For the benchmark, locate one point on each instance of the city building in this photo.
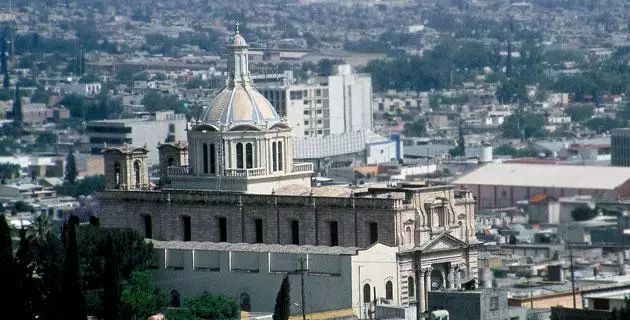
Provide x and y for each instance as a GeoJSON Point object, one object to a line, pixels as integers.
{"type": "Point", "coordinates": [498, 185]}
{"type": "Point", "coordinates": [84, 89]}
{"type": "Point", "coordinates": [241, 186]}
{"type": "Point", "coordinates": [340, 103]}
{"type": "Point", "coordinates": [484, 304]}
{"type": "Point", "coordinates": [620, 147]}
{"type": "Point", "coordinates": [162, 127]}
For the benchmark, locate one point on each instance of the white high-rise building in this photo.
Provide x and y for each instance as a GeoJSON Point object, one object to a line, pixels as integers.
{"type": "Point", "coordinates": [336, 104]}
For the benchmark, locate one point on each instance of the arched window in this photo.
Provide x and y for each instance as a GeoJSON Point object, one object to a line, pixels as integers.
{"type": "Point", "coordinates": [274, 156]}
{"type": "Point", "coordinates": [389, 290]}
{"type": "Point", "coordinates": [411, 287]}
{"type": "Point", "coordinates": [117, 173]}
{"type": "Point", "coordinates": [279, 156]}
{"type": "Point", "coordinates": [205, 158]}
{"type": "Point", "coordinates": [136, 170]}
{"type": "Point", "coordinates": [245, 304]}
{"type": "Point", "coordinates": [213, 159]}
{"type": "Point", "coordinates": [239, 155]}
{"type": "Point", "coordinates": [366, 293]}
{"type": "Point", "coordinates": [175, 300]}
{"type": "Point", "coordinates": [408, 235]}
{"type": "Point", "coordinates": [249, 156]}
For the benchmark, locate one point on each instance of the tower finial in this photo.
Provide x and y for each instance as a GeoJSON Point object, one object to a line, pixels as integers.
{"type": "Point", "coordinates": [236, 26]}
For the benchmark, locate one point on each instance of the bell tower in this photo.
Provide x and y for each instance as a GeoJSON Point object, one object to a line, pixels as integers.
{"type": "Point", "coordinates": [126, 168]}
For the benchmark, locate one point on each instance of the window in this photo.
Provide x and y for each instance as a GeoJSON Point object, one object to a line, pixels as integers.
{"type": "Point", "coordinates": [306, 122]}
{"type": "Point", "coordinates": [148, 227]}
{"type": "Point", "coordinates": [222, 229]}
{"type": "Point", "coordinates": [205, 158]}
{"type": "Point", "coordinates": [441, 212]}
{"type": "Point", "coordinates": [306, 133]}
{"type": "Point", "coordinates": [274, 156]}
{"type": "Point", "coordinates": [295, 232]}
{"type": "Point", "coordinates": [503, 194]}
{"type": "Point", "coordinates": [171, 128]}
{"type": "Point", "coordinates": [389, 290]}
{"type": "Point", "coordinates": [318, 101]}
{"type": "Point", "coordinates": [598, 304]}
{"type": "Point", "coordinates": [175, 300]}
{"type": "Point", "coordinates": [259, 230]}
{"type": "Point", "coordinates": [171, 161]}
{"type": "Point", "coordinates": [305, 102]}
{"type": "Point", "coordinates": [411, 287]}
{"type": "Point", "coordinates": [373, 232]}
{"type": "Point", "coordinates": [239, 155]}
{"type": "Point", "coordinates": [213, 159]}
{"type": "Point", "coordinates": [306, 112]}
{"type": "Point", "coordinates": [319, 111]}
{"type": "Point", "coordinates": [249, 156]}
{"type": "Point", "coordinates": [319, 121]}
{"type": "Point", "coordinates": [494, 303]}
{"type": "Point", "coordinates": [187, 228]}
{"type": "Point", "coordinates": [117, 173]}
{"type": "Point", "coordinates": [366, 293]}
{"type": "Point", "coordinates": [279, 156]}
{"type": "Point", "coordinates": [319, 131]}
{"type": "Point", "coordinates": [318, 92]}
{"type": "Point", "coordinates": [334, 234]}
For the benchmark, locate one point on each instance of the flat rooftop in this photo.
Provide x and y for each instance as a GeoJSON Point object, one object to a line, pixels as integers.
{"type": "Point", "coordinates": [253, 247]}
{"type": "Point", "coordinates": [547, 176]}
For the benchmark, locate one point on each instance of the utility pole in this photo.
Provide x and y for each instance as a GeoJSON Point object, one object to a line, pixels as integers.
{"type": "Point", "coordinates": [302, 270]}
{"type": "Point", "coordinates": [572, 273]}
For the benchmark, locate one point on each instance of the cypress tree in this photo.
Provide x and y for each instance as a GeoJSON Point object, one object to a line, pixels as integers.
{"type": "Point", "coordinates": [17, 107]}
{"type": "Point", "coordinates": [508, 61]}
{"type": "Point", "coordinates": [73, 301]}
{"type": "Point", "coordinates": [461, 144]}
{"type": "Point", "coordinates": [282, 309]}
{"type": "Point", "coordinates": [7, 278]}
{"type": "Point", "coordinates": [24, 278]}
{"type": "Point", "coordinates": [111, 282]}
{"type": "Point", "coordinates": [71, 168]}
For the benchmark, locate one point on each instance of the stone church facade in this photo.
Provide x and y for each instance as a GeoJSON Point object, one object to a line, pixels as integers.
{"type": "Point", "coordinates": [234, 181]}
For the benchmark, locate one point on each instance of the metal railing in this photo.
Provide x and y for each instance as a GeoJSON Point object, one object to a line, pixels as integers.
{"type": "Point", "coordinates": [253, 172]}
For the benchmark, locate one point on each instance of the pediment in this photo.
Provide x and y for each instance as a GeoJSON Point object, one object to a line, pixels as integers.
{"type": "Point", "coordinates": [444, 241]}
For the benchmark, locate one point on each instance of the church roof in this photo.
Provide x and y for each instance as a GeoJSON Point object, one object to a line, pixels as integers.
{"type": "Point", "coordinates": [252, 247]}
{"type": "Point", "coordinates": [239, 103]}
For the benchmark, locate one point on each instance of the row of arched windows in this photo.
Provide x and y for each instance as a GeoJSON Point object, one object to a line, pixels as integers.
{"type": "Point", "coordinates": [246, 162]}
{"type": "Point", "coordinates": [367, 292]}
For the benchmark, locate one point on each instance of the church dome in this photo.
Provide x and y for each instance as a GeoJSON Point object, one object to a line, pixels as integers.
{"type": "Point", "coordinates": [239, 103]}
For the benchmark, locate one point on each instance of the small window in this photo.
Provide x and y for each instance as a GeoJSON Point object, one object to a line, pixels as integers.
{"type": "Point", "coordinates": [389, 290]}
{"type": "Point", "coordinates": [366, 293]}
{"type": "Point", "coordinates": [494, 303]}
{"type": "Point", "coordinates": [318, 92]}
{"type": "Point", "coordinates": [318, 101]}
{"type": "Point", "coordinates": [239, 155]}
{"type": "Point", "coordinates": [148, 227]}
{"type": "Point", "coordinates": [373, 232]}
{"type": "Point", "coordinates": [187, 228]}
{"type": "Point", "coordinates": [279, 155]}
{"type": "Point", "coordinates": [171, 128]}
{"type": "Point", "coordinates": [306, 112]}
{"type": "Point", "coordinates": [503, 194]}
{"type": "Point", "coordinates": [319, 121]}
{"type": "Point", "coordinates": [222, 229]}
{"type": "Point", "coordinates": [205, 157]}
{"type": "Point", "coordinates": [319, 131]}
{"type": "Point", "coordinates": [319, 111]}
{"type": "Point", "coordinates": [305, 102]}
{"type": "Point", "coordinates": [306, 133]}
{"type": "Point", "coordinates": [175, 299]}
{"type": "Point", "coordinates": [259, 230]}
{"type": "Point", "coordinates": [334, 234]}
{"type": "Point", "coordinates": [306, 122]}
{"type": "Point", "coordinates": [295, 232]}
{"type": "Point", "coordinates": [249, 156]}
{"type": "Point", "coordinates": [411, 287]}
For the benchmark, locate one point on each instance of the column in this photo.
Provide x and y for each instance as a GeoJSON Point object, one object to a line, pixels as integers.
{"type": "Point", "coordinates": [427, 286]}
{"type": "Point", "coordinates": [420, 291]}
{"type": "Point", "coordinates": [451, 276]}
{"type": "Point", "coordinates": [458, 278]}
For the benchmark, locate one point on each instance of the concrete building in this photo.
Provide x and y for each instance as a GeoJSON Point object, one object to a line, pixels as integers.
{"type": "Point", "coordinates": [164, 126]}
{"type": "Point", "coordinates": [251, 274]}
{"type": "Point", "coordinates": [485, 304]}
{"type": "Point", "coordinates": [241, 187]}
{"type": "Point", "coordinates": [84, 89]}
{"type": "Point", "coordinates": [502, 185]}
{"type": "Point", "coordinates": [620, 147]}
{"type": "Point", "coordinates": [340, 103]}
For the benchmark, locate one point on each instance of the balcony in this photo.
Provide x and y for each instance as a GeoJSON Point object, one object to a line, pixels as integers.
{"type": "Point", "coordinates": [253, 172]}
{"type": "Point", "coordinates": [302, 167]}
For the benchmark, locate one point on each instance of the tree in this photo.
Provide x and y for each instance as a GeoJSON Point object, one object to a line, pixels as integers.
{"type": "Point", "coordinates": [282, 310]}
{"type": "Point", "coordinates": [511, 90]}
{"type": "Point", "coordinates": [583, 213]}
{"type": "Point", "coordinates": [208, 306]}
{"type": "Point", "coordinates": [111, 281]}
{"type": "Point", "coordinates": [74, 303]}
{"type": "Point", "coordinates": [46, 139]}
{"type": "Point", "coordinates": [524, 125]}
{"type": "Point", "coordinates": [71, 168]}
{"type": "Point", "coordinates": [9, 171]}
{"type": "Point", "coordinates": [141, 296]}
{"type": "Point", "coordinates": [3, 63]}
{"type": "Point", "coordinates": [23, 278]}
{"type": "Point", "coordinates": [17, 107]}
{"type": "Point", "coordinates": [580, 113]}
{"type": "Point", "coordinates": [84, 187]}
{"type": "Point", "coordinates": [417, 128]}
{"type": "Point", "coordinates": [7, 268]}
